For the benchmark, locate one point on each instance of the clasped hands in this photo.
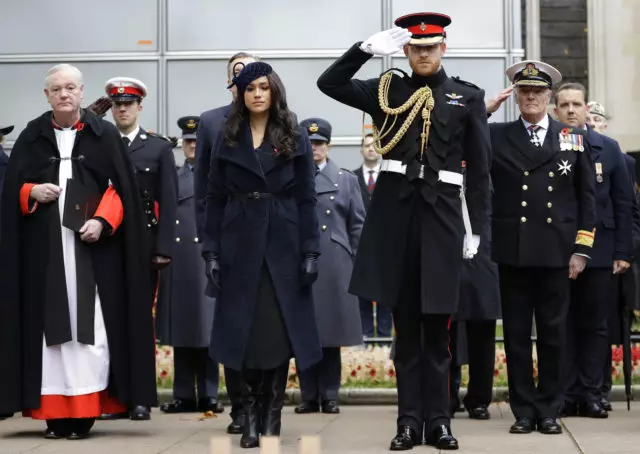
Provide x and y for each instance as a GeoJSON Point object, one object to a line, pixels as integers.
{"type": "Point", "coordinates": [48, 192]}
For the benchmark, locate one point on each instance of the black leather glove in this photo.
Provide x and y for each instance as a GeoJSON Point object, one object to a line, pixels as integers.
{"type": "Point", "coordinates": [212, 268]}
{"type": "Point", "coordinates": [309, 269]}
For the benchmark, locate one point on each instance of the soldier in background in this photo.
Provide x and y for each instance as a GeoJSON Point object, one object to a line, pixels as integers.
{"type": "Point", "coordinates": [367, 175]}
{"type": "Point", "coordinates": [341, 215]}
{"type": "Point", "coordinates": [596, 117]}
{"type": "Point", "coordinates": [155, 170]}
{"type": "Point", "coordinates": [186, 320]}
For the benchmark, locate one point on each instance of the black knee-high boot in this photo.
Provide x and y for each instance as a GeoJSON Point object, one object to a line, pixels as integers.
{"type": "Point", "coordinates": [252, 408]}
{"type": "Point", "coordinates": [273, 386]}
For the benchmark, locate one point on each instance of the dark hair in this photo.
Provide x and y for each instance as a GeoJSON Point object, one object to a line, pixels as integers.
{"type": "Point", "coordinates": [571, 86]}
{"type": "Point", "coordinates": [237, 56]}
{"type": "Point", "coordinates": [364, 138]}
{"type": "Point", "coordinates": [281, 131]}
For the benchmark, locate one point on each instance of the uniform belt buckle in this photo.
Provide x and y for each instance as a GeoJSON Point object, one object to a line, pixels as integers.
{"type": "Point", "coordinates": [415, 171]}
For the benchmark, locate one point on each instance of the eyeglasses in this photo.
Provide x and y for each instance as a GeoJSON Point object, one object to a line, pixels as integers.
{"type": "Point", "coordinates": [57, 91]}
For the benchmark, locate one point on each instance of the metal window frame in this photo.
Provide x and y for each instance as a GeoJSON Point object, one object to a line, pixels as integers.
{"type": "Point", "coordinates": [510, 54]}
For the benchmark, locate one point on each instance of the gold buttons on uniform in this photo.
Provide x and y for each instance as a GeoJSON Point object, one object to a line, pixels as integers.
{"type": "Point", "coordinates": [324, 227]}
{"type": "Point", "coordinates": [549, 204]}
{"type": "Point", "coordinates": [177, 240]}
{"type": "Point", "coordinates": [147, 169]}
{"type": "Point", "coordinates": [549, 220]}
{"type": "Point", "coordinates": [526, 174]}
{"type": "Point", "coordinates": [523, 219]}
{"type": "Point", "coordinates": [328, 212]}
{"type": "Point", "coordinates": [524, 204]}
{"type": "Point", "coordinates": [525, 187]}
{"type": "Point", "coordinates": [196, 239]}
{"type": "Point", "coordinates": [551, 175]}
{"type": "Point", "coordinates": [550, 188]}
{"type": "Point", "coordinates": [177, 221]}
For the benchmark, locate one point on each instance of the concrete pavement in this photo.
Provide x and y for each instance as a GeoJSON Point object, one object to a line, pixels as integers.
{"type": "Point", "coordinates": [357, 430]}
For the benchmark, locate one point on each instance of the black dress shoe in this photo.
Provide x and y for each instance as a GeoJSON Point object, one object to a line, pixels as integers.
{"type": "Point", "coordinates": [593, 410]}
{"type": "Point", "coordinates": [210, 404]}
{"type": "Point", "coordinates": [480, 412]}
{"type": "Point", "coordinates": [549, 426]}
{"type": "Point", "coordinates": [330, 407]}
{"type": "Point", "coordinates": [604, 403]}
{"type": "Point", "coordinates": [568, 410]}
{"type": "Point", "coordinates": [113, 416]}
{"type": "Point", "coordinates": [307, 407]}
{"type": "Point", "coordinates": [442, 438]}
{"type": "Point", "coordinates": [236, 425]}
{"type": "Point", "coordinates": [404, 440]}
{"type": "Point", "coordinates": [78, 435]}
{"type": "Point", "coordinates": [51, 434]}
{"type": "Point", "coordinates": [179, 406]}
{"type": "Point", "coordinates": [522, 426]}
{"type": "Point", "coordinates": [140, 413]}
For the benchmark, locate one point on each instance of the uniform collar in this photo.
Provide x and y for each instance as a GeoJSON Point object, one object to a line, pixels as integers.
{"type": "Point", "coordinates": [431, 81]}
{"type": "Point", "coordinates": [544, 123]}
{"type": "Point", "coordinates": [132, 135]}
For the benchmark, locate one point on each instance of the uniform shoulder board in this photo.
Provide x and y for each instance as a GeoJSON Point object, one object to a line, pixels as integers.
{"type": "Point", "coordinates": [159, 136]}
{"type": "Point", "coordinates": [464, 82]}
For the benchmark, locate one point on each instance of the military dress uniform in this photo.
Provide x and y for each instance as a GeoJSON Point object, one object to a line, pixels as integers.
{"type": "Point", "coordinates": [411, 250]}
{"type": "Point", "coordinates": [588, 338]}
{"type": "Point", "coordinates": [543, 212]}
{"type": "Point", "coordinates": [155, 172]}
{"type": "Point", "coordinates": [187, 320]}
{"type": "Point", "coordinates": [341, 215]}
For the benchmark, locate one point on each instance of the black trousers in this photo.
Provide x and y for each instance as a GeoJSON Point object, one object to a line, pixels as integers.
{"type": "Point", "coordinates": [481, 351]}
{"type": "Point", "coordinates": [194, 368]}
{"type": "Point", "coordinates": [543, 292]}
{"type": "Point", "coordinates": [587, 334]}
{"type": "Point", "coordinates": [236, 390]}
{"type": "Point", "coordinates": [322, 380]}
{"type": "Point", "coordinates": [384, 322]}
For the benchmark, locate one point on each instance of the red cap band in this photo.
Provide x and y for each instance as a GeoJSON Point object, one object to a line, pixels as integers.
{"type": "Point", "coordinates": [426, 29]}
{"type": "Point", "coordinates": [125, 90]}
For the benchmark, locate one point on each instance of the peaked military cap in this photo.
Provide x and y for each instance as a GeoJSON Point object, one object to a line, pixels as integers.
{"type": "Point", "coordinates": [318, 129]}
{"type": "Point", "coordinates": [6, 130]}
{"type": "Point", "coordinates": [595, 108]}
{"type": "Point", "coordinates": [533, 73]}
{"type": "Point", "coordinates": [189, 126]}
{"type": "Point", "coordinates": [125, 89]}
{"type": "Point", "coordinates": [425, 28]}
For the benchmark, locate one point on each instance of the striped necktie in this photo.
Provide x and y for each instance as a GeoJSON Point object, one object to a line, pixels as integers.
{"type": "Point", "coordinates": [371, 183]}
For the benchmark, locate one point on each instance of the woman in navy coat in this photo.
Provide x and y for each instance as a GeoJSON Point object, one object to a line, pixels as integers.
{"type": "Point", "coordinates": [261, 246]}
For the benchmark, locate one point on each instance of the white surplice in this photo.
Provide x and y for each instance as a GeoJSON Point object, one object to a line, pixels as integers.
{"type": "Point", "coordinates": [73, 369]}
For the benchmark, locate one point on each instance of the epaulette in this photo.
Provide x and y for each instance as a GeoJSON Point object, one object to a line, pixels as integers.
{"type": "Point", "coordinates": [159, 136]}
{"type": "Point", "coordinates": [464, 82]}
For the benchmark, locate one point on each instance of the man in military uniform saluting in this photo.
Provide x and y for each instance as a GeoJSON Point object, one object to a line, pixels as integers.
{"type": "Point", "coordinates": [543, 232]}
{"type": "Point", "coordinates": [155, 170]}
{"type": "Point", "coordinates": [411, 251]}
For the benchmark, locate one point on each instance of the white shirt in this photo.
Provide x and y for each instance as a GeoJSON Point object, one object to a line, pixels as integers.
{"type": "Point", "coordinates": [132, 135]}
{"type": "Point", "coordinates": [542, 130]}
{"type": "Point", "coordinates": [366, 170]}
{"type": "Point", "coordinates": [322, 165]}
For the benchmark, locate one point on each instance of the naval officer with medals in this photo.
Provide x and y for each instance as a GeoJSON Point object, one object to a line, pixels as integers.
{"type": "Point", "coordinates": [543, 230]}
{"type": "Point", "coordinates": [411, 251]}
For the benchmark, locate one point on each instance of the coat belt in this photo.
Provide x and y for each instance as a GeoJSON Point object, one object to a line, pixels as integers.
{"type": "Point", "coordinates": [415, 170]}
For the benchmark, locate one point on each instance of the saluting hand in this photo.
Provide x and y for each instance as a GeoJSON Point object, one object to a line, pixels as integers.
{"type": "Point", "coordinates": [494, 103]}
{"type": "Point", "coordinates": [386, 42]}
{"type": "Point", "coordinates": [91, 230]}
{"type": "Point", "coordinates": [45, 193]}
{"type": "Point", "coordinates": [577, 263]}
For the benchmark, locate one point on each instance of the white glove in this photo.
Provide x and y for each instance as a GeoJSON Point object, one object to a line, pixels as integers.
{"type": "Point", "coordinates": [470, 248]}
{"type": "Point", "coordinates": [387, 42]}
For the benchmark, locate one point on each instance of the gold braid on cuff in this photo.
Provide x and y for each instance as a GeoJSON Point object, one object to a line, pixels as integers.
{"type": "Point", "coordinates": [586, 238]}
